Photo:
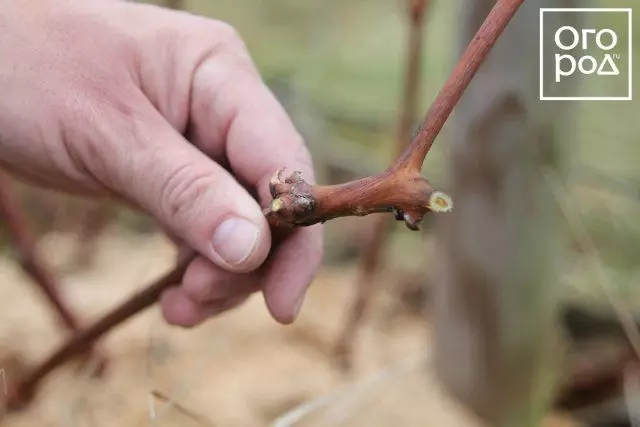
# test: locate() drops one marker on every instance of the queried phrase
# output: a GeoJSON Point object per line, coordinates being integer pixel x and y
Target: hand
{"type": "Point", "coordinates": [165, 111]}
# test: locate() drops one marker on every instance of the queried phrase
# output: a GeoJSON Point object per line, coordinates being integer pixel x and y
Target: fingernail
{"type": "Point", "coordinates": [235, 239]}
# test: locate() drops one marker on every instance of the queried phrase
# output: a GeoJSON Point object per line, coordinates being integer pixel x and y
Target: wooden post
{"type": "Point", "coordinates": [495, 338]}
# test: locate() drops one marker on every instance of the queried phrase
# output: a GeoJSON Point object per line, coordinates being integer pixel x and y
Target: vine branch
{"type": "Point", "coordinates": [475, 54]}
{"type": "Point", "coordinates": [400, 189]}
{"type": "Point", "coordinates": [22, 393]}
{"type": "Point", "coordinates": [23, 246]}
{"type": "Point", "coordinates": [364, 289]}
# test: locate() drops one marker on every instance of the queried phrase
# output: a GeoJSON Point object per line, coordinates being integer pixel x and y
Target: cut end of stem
{"type": "Point", "coordinates": [440, 202]}
{"type": "Point", "coordinates": [406, 194]}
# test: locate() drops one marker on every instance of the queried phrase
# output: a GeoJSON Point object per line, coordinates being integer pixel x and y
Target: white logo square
{"type": "Point", "coordinates": [595, 55]}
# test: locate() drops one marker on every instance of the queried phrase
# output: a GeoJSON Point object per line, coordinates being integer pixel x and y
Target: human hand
{"type": "Point", "coordinates": [167, 112]}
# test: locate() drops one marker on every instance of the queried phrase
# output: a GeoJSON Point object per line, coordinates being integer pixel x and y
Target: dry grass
{"type": "Point", "coordinates": [241, 369]}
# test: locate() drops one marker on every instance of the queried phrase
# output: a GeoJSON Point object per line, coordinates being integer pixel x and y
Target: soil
{"type": "Point", "coordinates": [240, 369]}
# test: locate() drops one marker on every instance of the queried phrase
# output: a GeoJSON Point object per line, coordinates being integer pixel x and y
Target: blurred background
{"type": "Point", "coordinates": [337, 67]}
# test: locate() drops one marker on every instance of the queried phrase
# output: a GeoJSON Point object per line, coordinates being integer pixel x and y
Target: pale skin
{"type": "Point", "coordinates": [167, 112]}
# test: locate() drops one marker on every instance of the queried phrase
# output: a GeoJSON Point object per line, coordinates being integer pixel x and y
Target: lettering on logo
{"type": "Point", "coordinates": [566, 64]}
{"type": "Point", "coordinates": [586, 54]}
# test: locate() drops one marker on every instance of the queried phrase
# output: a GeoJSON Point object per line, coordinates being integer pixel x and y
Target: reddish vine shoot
{"type": "Point", "coordinates": [400, 189]}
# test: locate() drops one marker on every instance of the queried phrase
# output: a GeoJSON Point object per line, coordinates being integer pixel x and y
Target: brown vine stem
{"type": "Point", "coordinates": [24, 249]}
{"type": "Point", "coordinates": [370, 260]}
{"type": "Point", "coordinates": [23, 243]}
{"type": "Point", "coordinates": [24, 390]}
{"type": "Point", "coordinates": [595, 383]}
{"type": "Point", "coordinates": [400, 189]}
{"type": "Point", "coordinates": [452, 91]}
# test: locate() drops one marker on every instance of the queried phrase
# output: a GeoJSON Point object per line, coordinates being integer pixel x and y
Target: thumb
{"type": "Point", "coordinates": [195, 199]}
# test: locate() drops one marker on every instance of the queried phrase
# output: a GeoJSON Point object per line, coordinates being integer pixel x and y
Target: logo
{"type": "Point", "coordinates": [585, 54]}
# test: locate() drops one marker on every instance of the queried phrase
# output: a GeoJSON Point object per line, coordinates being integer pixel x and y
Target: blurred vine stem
{"type": "Point", "coordinates": [25, 252]}
{"type": "Point", "coordinates": [576, 224]}
{"type": "Point", "coordinates": [24, 246]}
{"type": "Point", "coordinates": [371, 190]}
{"type": "Point", "coordinates": [597, 384]}
{"type": "Point", "coordinates": [372, 249]}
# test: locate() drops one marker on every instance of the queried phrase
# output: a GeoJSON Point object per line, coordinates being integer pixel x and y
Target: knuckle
{"type": "Point", "coordinates": [182, 192]}
{"type": "Point", "coordinates": [94, 128]}
{"type": "Point", "coordinates": [226, 34]}
{"type": "Point", "coordinates": [219, 35]}
{"type": "Point", "coordinates": [199, 291]}
{"type": "Point", "coordinates": [201, 280]}
{"type": "Point", "coordinates": [231, 47]}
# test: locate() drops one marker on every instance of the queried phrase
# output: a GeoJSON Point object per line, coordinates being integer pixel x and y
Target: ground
{"type": "Point", "coordinates": [240, 369]}
{"type": "Point", "coordinates": [243, 369]}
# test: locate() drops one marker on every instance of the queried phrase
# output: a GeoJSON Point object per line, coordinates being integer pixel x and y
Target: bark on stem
{"type": "Point", "coordinates": [24, 248]}
{"type": "Point", "coordinates": [295, 202]}
{"type": "Point", "coordinates": [409, 196]}
{"type": "Point", "coordinates": [450, 94]}
{"type": "Point", "coordinates": [83, 340]}
{"type": "Point", "coordinates": [364, 286]}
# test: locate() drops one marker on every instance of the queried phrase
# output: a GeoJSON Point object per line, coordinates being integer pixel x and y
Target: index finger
{"type": "Point", "coordinates": [234, 116]}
